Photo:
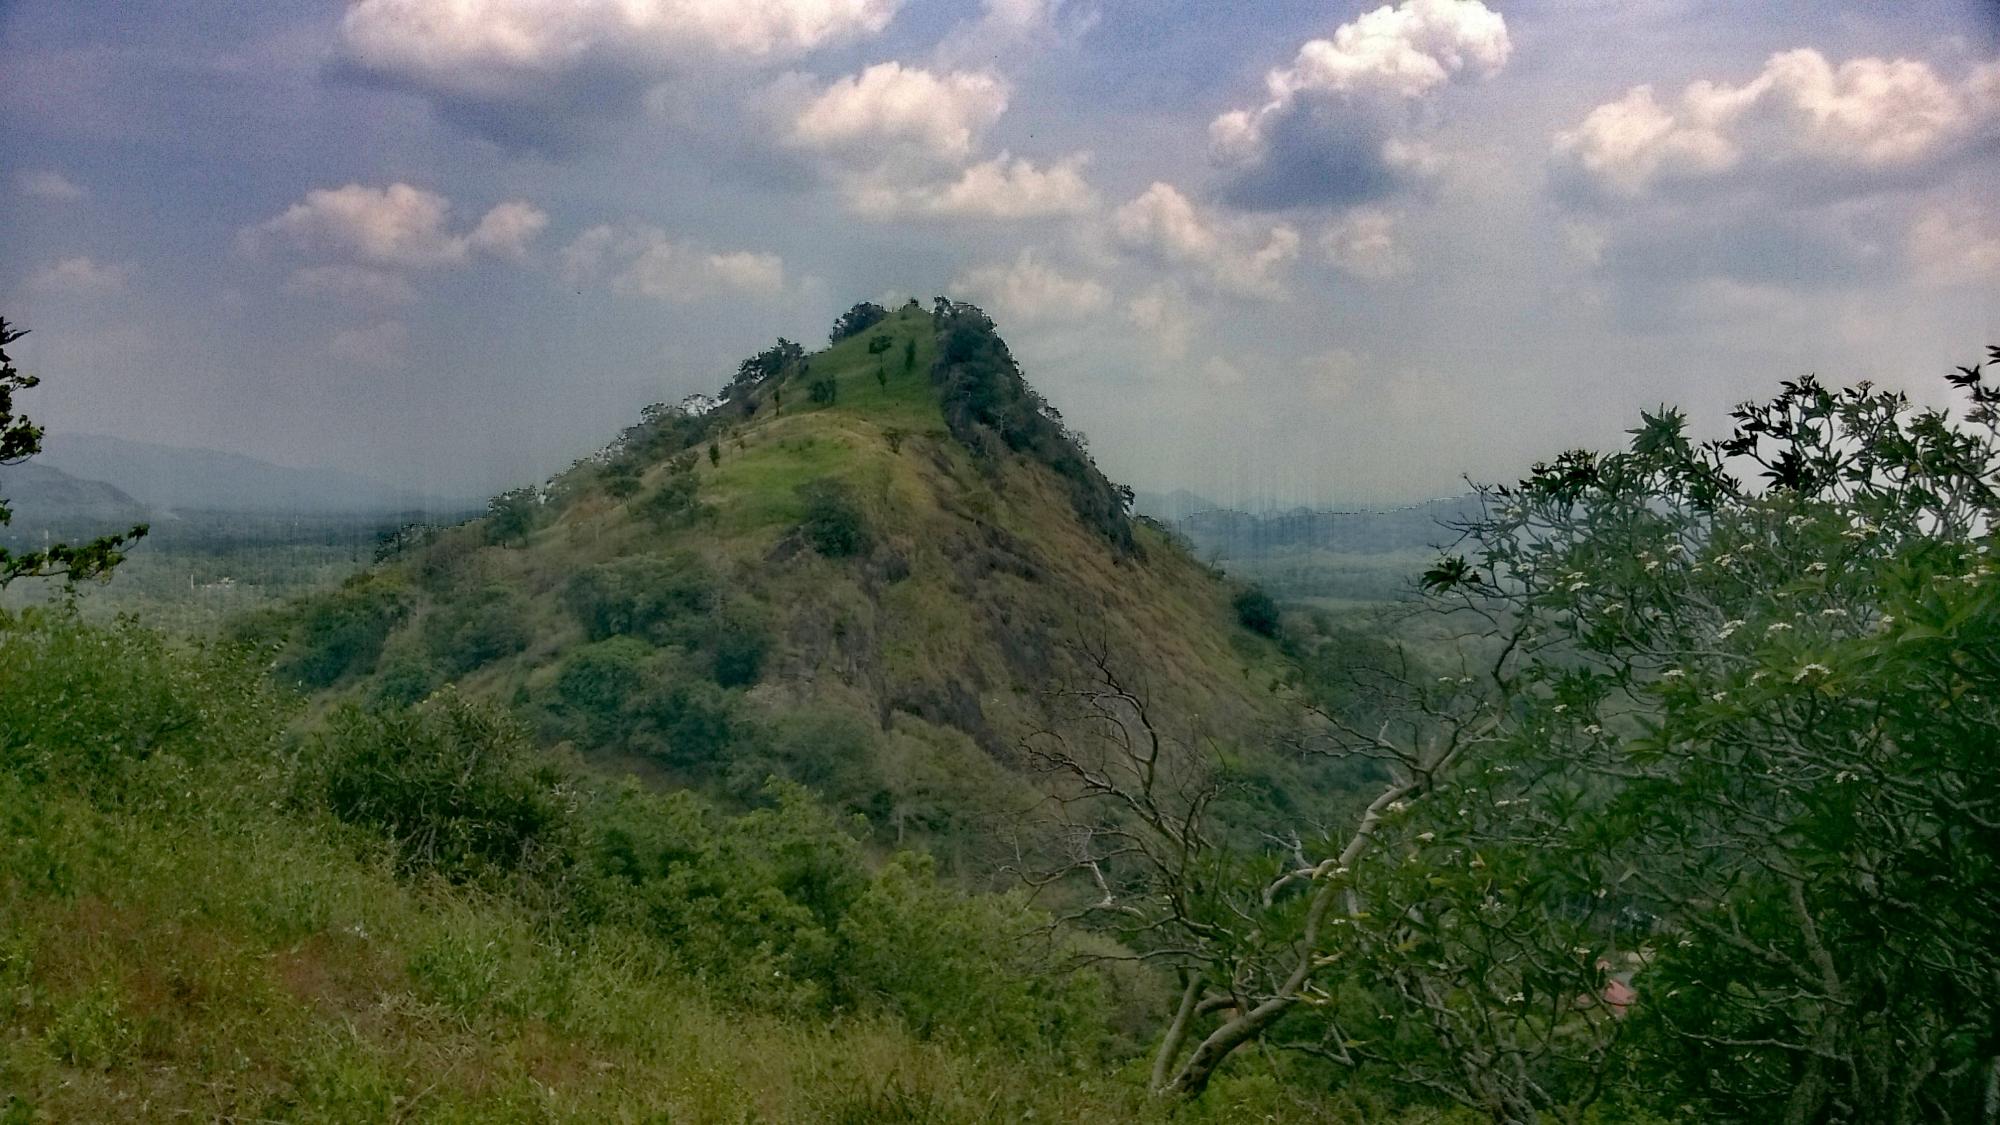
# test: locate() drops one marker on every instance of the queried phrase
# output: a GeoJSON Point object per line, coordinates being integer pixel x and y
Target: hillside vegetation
{"type": "Point", "coordinates": [861, 571]}
{"type": "Point", "coordinates": [406, 917]}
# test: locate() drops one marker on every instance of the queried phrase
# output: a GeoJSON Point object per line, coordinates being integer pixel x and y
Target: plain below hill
{"type": "Point", "coordinates": [169, 479]}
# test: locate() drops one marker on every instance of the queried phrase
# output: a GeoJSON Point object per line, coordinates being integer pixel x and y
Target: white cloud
{"type": "Point", "coordinates": [359, 284]}
{"type": "Point", "coordinates": [82, 276]}
{"type": "Point", "coordinates": [1029, 290]}
{"type": "Point", "coordinates": [1005, 187]}
{"type": "Point", "coordinates": [49, 184]}
{"type": "Point", "coordinates": [644, 262]}
{"type": "Point", "coordinates": [383, 344]}
{"type": "Point", "coordinates": [1009, 28]}
{"type": "Point", "coordinates": [1234, 255]}
{"type": "Point", "coordinates": [462, 38]}
{"type": "Point", "coordinates": [1331, 376]}
{"type": "Point", "coordinates": [1863, 123]}
{"type": "Point", "coordinates": [906, 109]}
{"type": "Point", "coordinates": [1164, 317]}
{"type": "Point", "coordinates": [508, 229]}
{"type": "Point", "coordinates": [1362, 244]}
{"type": "Point", "coordinates": [1331, 128]}
{"type": "Point", "coordinates": [398, 226]}
{"type": "Point", "coordinates": [1223, 374]}
{"type": "Point", "coordinates": [1954, 245]}
{"type": "Point", "coordinates": [1406, 51]}
{"type": "Point", "coordinates": [529, 71]}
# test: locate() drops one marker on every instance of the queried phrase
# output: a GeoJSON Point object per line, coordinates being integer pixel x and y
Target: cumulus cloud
{"type": "Point", "coordinates": [1005, 187]}
{"type": "Point", "coordinates": [399, 226]}
{"type": "Point", "coordinates": [1808, 173]}
{"type": "Point", "coordinates": [1363, 244]}
{"type": "Point", "coordinates": [1164, 316]}
{"type": "Point", "coordinates": [527, 72]}
{"type": "Point", "coordinates": [82, 276]}
{"type": "Point", "coordinates": [1954, 245]}
{"type": "Point", "coordinates": [358, 284]}
{"type": "Point", "coordinates": [645, 262]}
{"type": "Point", "coordinates": [1851, 128]}
{"type": "Point", "coordinates": [893, 109]}
{"type": "Point", "coordinates": [383, 344]}
{"type": "Point", "coordinates": [1029, 290]}
{"type": "Point", "coordinates": [1236, 256]}
{"type": "Point", "coordinates": [508, 229]}
{"type": "Point", "coordinates": [49, 184]}
{"type": "Point", "coordinates": [1007, 27]}
{"type": "Point", "coordinates": [1331, 376]}
{"type": "Point", "coordinates": [1334, 128]}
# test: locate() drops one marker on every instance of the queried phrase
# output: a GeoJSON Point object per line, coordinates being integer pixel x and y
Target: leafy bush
{"type": "Point", "coordinates": [452, 783]}
{"type": "Point", "coordinates": [644, 595]}
{"type": "Point", "coordinates": [823, 392]}
{"type": "Point", "coordinates": [595, 684]}
{"type": "Point", "coordinates": [512, 515]}
{"type": "Point", "coordinates": [857, 320]}
{"type": "Point", "coordinates": [475, 630]}
{"type": "Point", "coordinates": [340, 633]}
{"type": "Point", "coordinates": [834, 523]}
{"type": "Point", "coordinates": [1256, 611]}
{"type": "Point", "coordinates": [82, 704]}
{"type": "Point", "coordinates": [949, 963]}
{"type": "Point", "coordinates": [404, 678]}
{"type": "Point", "coordinates": [690, 723]}
{"type": "Point", "coordinates": [741, 641]}
{"type": "Point", "coordinates": [676, 502]}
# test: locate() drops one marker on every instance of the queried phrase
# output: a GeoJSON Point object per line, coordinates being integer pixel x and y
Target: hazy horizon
{"type": "Point", "coordinates": [1316, 252]}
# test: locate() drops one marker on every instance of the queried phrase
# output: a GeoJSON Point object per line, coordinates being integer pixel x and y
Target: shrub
{"type": "Point", "coordinates": [341, 632]}
{"type": "Point", "coordinates": [644, 595]}
{"type": "Point", "coordinates": [1256, 611]}
{"type": "Point", "coordinates": [452, 783]}
{"type": "Point", "coordinates": [82, 703]}
{"type": "Point", "coordinates": [741, 641]}
{"type": "Point", "coordinates": [694, 722]}
{"type": "Point", "coordinates": [473, 631]}
{"type": "Point", "coordinates": [675, 503]}
{"type": "Point", "coordinates": [834, 523]}
{"type": "Point", "coordinates": [512, 515]}
{"type": "Point", "coordinates": [404, 678]}
{"type": "Point", "coordinates": [823, 392]}
{"type": "Point", "coordinates": [595, 684]}
{"type": "Point", "coordinates": [950, 963]}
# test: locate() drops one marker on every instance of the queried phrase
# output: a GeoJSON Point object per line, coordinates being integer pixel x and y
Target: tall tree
{"type": "Point", "coordinates": [1714, 818]}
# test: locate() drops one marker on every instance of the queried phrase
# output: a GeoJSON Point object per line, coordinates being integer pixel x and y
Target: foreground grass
{"type": "Point", "coordinates": [178, 942]}
{"type": "Point", "coordinates": [154, 968]}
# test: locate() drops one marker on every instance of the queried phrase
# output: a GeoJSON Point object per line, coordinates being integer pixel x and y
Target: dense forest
{"type": "Point", "coordinates": [765, 766]}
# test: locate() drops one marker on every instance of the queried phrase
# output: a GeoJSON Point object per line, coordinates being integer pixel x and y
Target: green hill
{"type": "Point", "coordinates": [862, 570]}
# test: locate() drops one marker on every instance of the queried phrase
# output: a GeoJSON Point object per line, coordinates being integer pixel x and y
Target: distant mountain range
{"type": "Point", "coordinates": [1230, 534]}
{"type": "Point", "coordinates": [168, 479]}
{"type": "Point", "coordinates": [46, 500]}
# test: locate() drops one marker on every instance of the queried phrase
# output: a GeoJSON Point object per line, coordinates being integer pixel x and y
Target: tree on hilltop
{"type": "Point", "coordinates": [857, 320]}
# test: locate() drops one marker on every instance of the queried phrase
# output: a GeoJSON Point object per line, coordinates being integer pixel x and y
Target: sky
{"type": "Point", "coordinates": [1302, 252]}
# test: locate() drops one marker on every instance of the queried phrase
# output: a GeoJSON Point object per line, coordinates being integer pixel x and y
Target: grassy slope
{"type": "Point", "coordinates": [1001, 577]}
{"type": "Point", "coordinates": [178, 942]}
